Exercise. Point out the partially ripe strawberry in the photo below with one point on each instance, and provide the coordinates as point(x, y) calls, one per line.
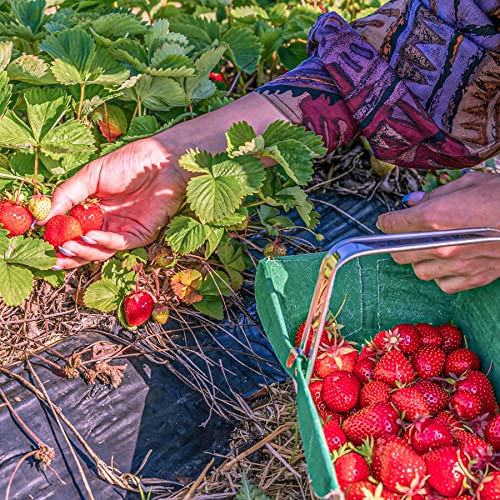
point(374, 392)
point(437, 398)
point(394, 367)
point(160, 314)
point(489, 489)
point(410, 402)
point(340, 391)
point(430, 434)
point(443, 467)
point(39, 206)
point(62, 228)
point(334, 435)
point(429, 361)
point(137, 307)
point(452, 337)
point(15, 218)
point(351, 468)
point(89, 215)
point(466, 405)
point(492, 432)
point(429, 335)
point(461, 360)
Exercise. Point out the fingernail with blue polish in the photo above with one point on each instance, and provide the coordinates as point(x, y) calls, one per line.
point(412, 197)
point(57, 268)
point(68, 253)
point(88, 240)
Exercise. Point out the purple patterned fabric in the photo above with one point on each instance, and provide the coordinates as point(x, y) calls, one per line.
point(420, 79)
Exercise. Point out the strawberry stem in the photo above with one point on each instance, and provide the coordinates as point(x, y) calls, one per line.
point(35, 175)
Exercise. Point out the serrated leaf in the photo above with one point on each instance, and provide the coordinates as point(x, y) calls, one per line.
point(16, 283)
point(250, 492)
point(204, 64)
point(102, 295)
point(156, 33)
point(69, 137)
point(140, 127)
point(5, 92)
point(14, 133)
point(77, 60)
point(243, 48)
point(196, 161)
point(118, 25)
point(293, 54)
point(214, 237)
point(113, 270)
point(211, 306)
point(5, 54)
point(53, 278)
point(216, 283)
point(45, 108)
point(295, 160)
point(29, 13)
point(251, 11)
point(30, 69)
point(185, 234)
point(204, 90)
point(4, 241)
point(30, 252)
point(232, 219)
point(185, 285)
point(239, 134)
point(297, 197)
point(200, 32)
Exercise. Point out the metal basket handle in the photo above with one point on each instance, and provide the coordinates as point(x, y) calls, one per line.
point(345, 250)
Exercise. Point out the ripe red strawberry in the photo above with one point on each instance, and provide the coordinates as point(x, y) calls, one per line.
point(14, 217)
point(466, 405)
point(89, 215)
point(492, 432)
point(477, 383)
point(315, 388)
point(340, 391)
point(325, 414)
point(374, 420)
point(437, 398)
point(451, 420)
point(402, 469)
point(137, 307)
point(378, 447)
point(429, 361)
point(489, 489)
point(39, 206)
point(445, 474)
point(452, 337)
point(334, 435)
point(368, 351)
point(216, 77)
point(374, 392)
point(325, 337)
point(429, 335)
point(474, 447)
point(405, 337)
point(62, 228)
point(461, 360)
point(339, 356)
point(365, 490)
point(430, 434)
point(351, 468)
point(394, 367)
point(363, 369)
point(410, 402)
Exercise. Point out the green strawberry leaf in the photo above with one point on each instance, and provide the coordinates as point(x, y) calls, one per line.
point(14, 133)
point(30, 14)
point(214, 237)
point(70, 137)
point(293, 54)
point(141, 127)
point(243, 48)
point(297, 197)
point(5, 54)
point(30, 252)
point(196, 161)
point(204, 64)
point(4, 241)
point(211, 306)
point(54, 278)
point(130, 258)
point(185, 234)
point(5, 92)
point(16, 283)
point(118, 25)
point(232, 219)
point(238, 135)
point(114, 271)
point(250, 492)
point(216, 283)
point(103, 295)
point(31, 69)
point(294, 159)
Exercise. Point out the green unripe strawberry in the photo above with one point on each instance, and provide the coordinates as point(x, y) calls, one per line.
point(272, 250)
point(39, 206)
point(161, 314)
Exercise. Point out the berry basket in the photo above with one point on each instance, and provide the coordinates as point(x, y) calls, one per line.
point(378, 294)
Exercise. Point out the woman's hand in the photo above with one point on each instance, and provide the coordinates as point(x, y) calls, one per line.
point(471, 201)
point(140, 186)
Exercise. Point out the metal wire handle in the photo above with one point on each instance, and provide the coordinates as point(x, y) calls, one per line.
point(348, 249)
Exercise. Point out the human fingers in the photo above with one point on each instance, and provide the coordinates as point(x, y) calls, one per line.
point(64, 262)
point(86, 252)
point(455, 284)
point(75, 190)
point(403, 221)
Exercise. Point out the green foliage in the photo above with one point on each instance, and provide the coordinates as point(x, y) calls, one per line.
point(248, 491)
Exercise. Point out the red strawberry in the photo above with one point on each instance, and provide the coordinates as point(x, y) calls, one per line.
point(137, 307)
point(466, 405)
point(62, 228)
point(411, 402)
point(340, 391)
point(351, 468)
point(489, 489)
point(89, 215)
point(451, 420)
point(378, 447)
point(461, 360)
point(394, 367)
point(374, 420)
point(430, 434)
point(334, 435)
point(374, 392)
point(363, 369)
point(341, 356)
point(407, 338)
point(216, 77)
point(429, 335)
point(492, 433)
point(452, 337)
point(325, 337)
point(402, 469)
point(325, 414)
point(368, 351)
point(429, 361)
point(474, 447)
point(15, 218)
point(443, 467)
point(477, 383)
point(364, 490)
point(315, 388)
point(437, 398)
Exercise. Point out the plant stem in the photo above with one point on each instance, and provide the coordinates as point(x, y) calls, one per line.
point(37, 162)
point(80, 104)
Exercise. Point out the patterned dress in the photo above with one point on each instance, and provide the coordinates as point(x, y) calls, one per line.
point(420, 79)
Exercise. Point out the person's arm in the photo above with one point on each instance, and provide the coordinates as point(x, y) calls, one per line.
point(140, 186)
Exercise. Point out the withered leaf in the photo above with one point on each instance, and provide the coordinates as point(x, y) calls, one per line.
point(185, 285)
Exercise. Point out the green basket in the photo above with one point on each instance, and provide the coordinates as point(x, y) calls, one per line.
point(380, 294)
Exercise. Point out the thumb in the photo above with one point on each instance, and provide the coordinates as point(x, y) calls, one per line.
point(73, 191)
point(413, 198)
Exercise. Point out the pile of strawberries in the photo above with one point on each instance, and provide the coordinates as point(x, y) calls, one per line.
point(410, 416)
